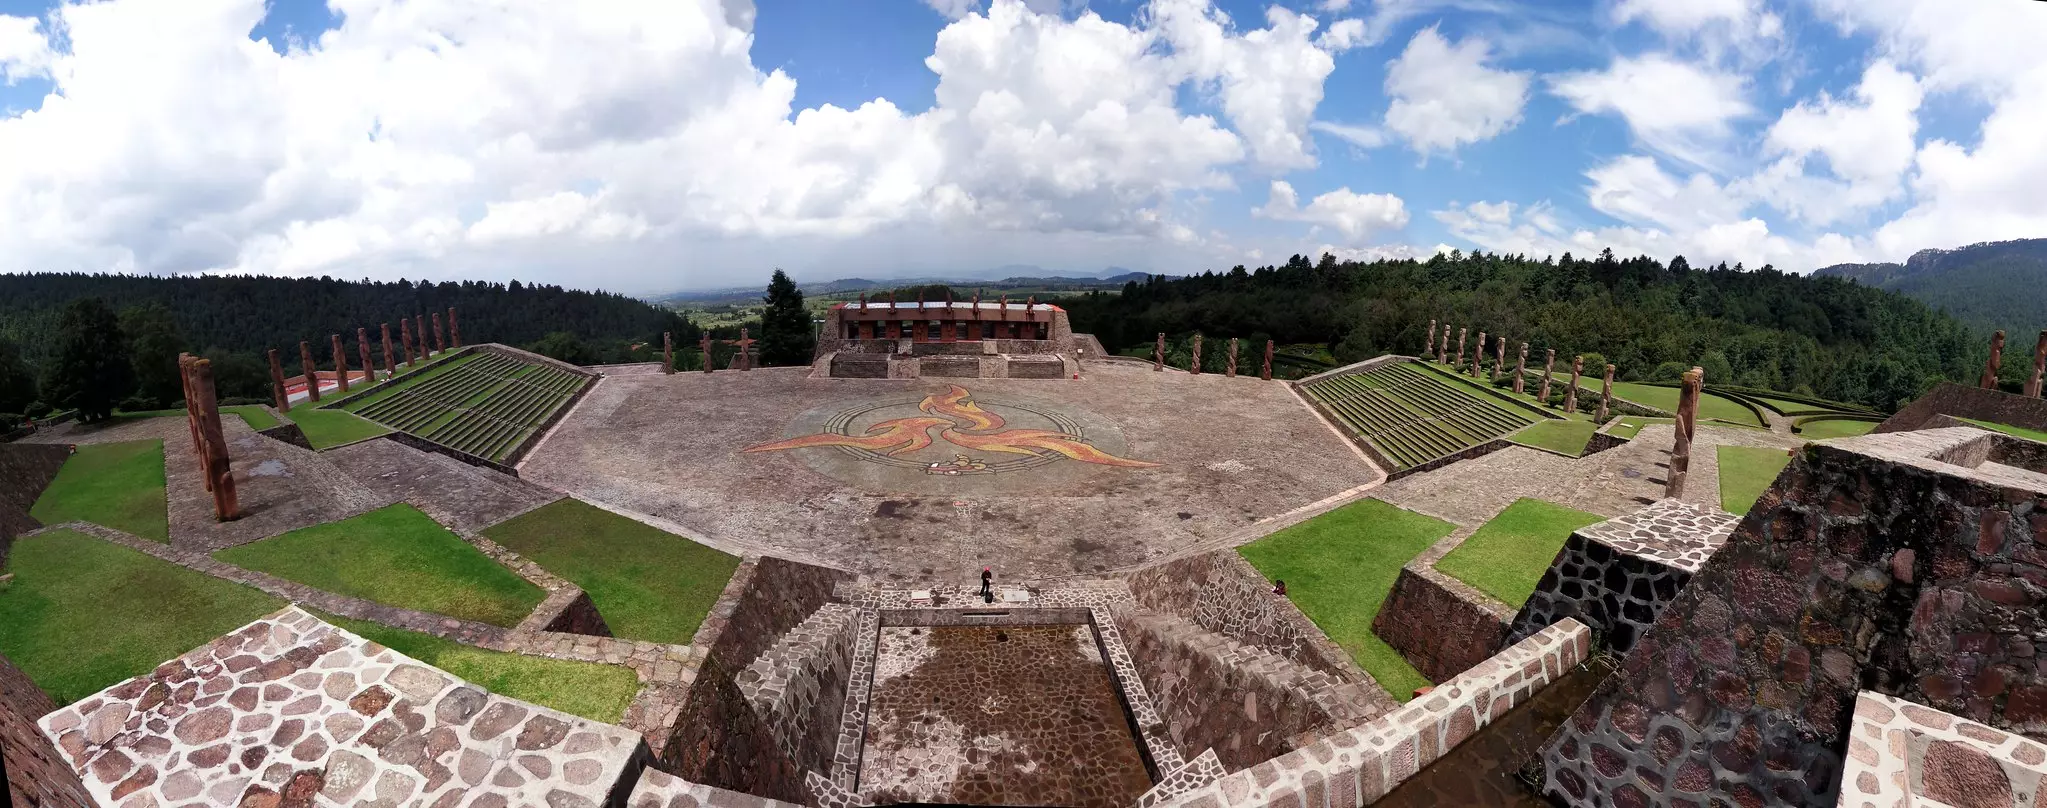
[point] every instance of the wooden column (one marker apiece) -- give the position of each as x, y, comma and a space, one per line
390, 366
745, 346
277, 383
1499, 357
1687, 420
405, 339
439, 344
362, 351
312, 372
340, 365
1989, 381
1548, 366
1231, 370
1265, 371
1520, 371
419, 329
704, 344
2039, 366
1460, 347
1571, 393
191, 421
1158, 353
668, 352
454, 329
1605, 396
205, 416
1195, 367
1429, 347
1443, 346
1478, 356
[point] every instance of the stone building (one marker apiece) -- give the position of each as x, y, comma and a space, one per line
956, 339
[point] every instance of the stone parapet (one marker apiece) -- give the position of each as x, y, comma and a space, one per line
1964, 401
1907, 563
1359, 765
658, 789
1616, 576
1221, 592
1902, 754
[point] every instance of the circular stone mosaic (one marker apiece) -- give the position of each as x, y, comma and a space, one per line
951, 434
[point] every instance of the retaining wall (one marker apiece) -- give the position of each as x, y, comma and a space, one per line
1221, 592
26, 469
1963, 401
1441, 625
798, 686
288, 432
37, 776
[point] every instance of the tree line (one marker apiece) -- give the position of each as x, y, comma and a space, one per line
1762, 328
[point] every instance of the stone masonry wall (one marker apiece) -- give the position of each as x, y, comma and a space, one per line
1359, 765
1245, 704
719, 740
36, 776
1441, 625
1872, 564
1223, 593
1616, 576
799, 685
1964, 401
25, 470
1903, 754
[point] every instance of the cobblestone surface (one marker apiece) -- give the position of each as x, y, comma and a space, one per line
1903, 754
466, 498
288, 707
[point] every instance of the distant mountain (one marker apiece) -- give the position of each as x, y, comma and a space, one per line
1994, 285
995, 281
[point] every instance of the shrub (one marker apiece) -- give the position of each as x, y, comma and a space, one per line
238, 401
9, 420
138, 404
36, 409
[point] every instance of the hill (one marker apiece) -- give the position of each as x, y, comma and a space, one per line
1825, 336
1995, 285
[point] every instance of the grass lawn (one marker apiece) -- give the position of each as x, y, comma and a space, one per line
593, 691
1745, 473
649, 584
1628, 426
1585, 404
407, 378
1665, 398
1508, 555
83, 614
253, 414
2008, 429
399, 557
329, 428
1563, 437
119, 485
1836, 428
1338, 569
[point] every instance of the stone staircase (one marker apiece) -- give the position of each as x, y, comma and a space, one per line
1321, 702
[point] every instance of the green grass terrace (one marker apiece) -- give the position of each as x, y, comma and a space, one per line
1340, 566
649, 584
1508, 555
1745, 473
593, 691
1412, 415
118, 485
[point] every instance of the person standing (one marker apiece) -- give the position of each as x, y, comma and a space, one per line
987, 585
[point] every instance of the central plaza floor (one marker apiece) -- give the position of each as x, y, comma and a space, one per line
1220, 454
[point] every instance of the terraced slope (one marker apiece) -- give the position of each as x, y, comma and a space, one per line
1411, 415
486, 406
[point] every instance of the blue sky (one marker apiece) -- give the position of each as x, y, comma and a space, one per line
657, 144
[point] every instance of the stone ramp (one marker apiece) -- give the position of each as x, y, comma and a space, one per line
1246, 703
798, 685
456, 494
280, 488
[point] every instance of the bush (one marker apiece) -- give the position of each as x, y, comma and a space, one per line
36, 409
1669, 372
8, 421
138, 404
237, 401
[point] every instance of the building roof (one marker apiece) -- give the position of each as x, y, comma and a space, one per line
291, 706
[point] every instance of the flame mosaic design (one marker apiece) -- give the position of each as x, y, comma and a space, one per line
962, 423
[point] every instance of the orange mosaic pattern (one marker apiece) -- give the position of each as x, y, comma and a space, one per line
960, 422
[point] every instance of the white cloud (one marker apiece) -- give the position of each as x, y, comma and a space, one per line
24, 50
1676, 107
1984, 47
959, 9
1537, 231
1342, 35
1867, 144
623, 142
1358, 216
1633, 188
1444, 95
1746, 27
1363, 137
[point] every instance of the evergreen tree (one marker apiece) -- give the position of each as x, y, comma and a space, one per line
91, 372
153, 347
786, 336
566, 347
17, 383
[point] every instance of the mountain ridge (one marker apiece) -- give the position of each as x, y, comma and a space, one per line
1993, 285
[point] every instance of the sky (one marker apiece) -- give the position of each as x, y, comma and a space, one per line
646, 146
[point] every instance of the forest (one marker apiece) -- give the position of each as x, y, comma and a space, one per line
234, 319
1824, 336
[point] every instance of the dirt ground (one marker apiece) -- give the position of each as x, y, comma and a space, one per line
1167, 460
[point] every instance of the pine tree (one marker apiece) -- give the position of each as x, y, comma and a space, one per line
17, 383
786, 337
153, 346
91, 372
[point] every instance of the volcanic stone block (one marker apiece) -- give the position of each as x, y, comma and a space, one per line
1616, 576
1909, 564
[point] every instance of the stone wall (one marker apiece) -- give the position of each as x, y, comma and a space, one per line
1049, 367
1904, 754
1616, 576
798, 686
720, 740
25, 470
1359, 765
574, 613
1874, 563
288, 432
859, 366
1601, 441
1963, 401
425, 445
36, 776
1243, 703
1221, 592
1440, 624
954, 367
